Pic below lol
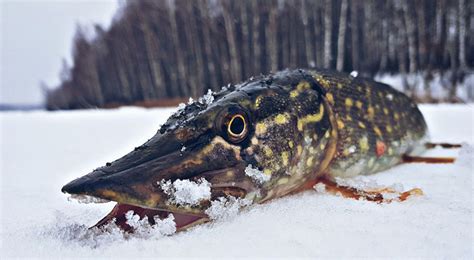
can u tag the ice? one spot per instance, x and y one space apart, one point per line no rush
226 207
186 192
41 151
256 174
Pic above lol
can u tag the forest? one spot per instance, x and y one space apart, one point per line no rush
158 53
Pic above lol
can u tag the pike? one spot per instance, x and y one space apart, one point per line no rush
263 139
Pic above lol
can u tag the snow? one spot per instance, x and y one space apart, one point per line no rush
208 98
320 187
226 208
143 229
41 151
186 192
256 174
438 84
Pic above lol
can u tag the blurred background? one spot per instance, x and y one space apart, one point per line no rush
88 54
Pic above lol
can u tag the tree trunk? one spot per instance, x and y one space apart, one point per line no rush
411 36
327 33
341 36
462 33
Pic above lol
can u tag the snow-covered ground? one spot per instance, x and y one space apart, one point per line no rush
41 151
438 86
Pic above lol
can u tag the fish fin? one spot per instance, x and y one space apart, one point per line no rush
418 159
380 195
443 145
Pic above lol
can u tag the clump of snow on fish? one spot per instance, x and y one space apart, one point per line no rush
256 174
354 73
186 192
320 187
208 98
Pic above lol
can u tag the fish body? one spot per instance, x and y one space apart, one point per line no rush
259 140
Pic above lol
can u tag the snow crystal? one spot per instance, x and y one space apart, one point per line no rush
132 219
320 187
143 229
354 73
180 111
183 148
226 208
225 88
256 174
190 101
389 97
86 199
165 226
181 106
208 98
186 192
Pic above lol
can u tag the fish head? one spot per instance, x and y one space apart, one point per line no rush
262 139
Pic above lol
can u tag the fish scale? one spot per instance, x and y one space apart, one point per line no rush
398 123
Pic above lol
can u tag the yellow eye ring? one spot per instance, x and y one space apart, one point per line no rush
237 127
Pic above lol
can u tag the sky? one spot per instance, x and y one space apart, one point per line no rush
34 38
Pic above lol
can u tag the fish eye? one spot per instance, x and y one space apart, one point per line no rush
237 128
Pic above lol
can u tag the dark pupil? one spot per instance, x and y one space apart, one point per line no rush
237 126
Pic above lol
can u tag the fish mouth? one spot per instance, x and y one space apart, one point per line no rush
183 217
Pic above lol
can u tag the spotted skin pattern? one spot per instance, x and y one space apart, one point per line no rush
376 124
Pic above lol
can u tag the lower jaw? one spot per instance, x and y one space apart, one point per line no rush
183 221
